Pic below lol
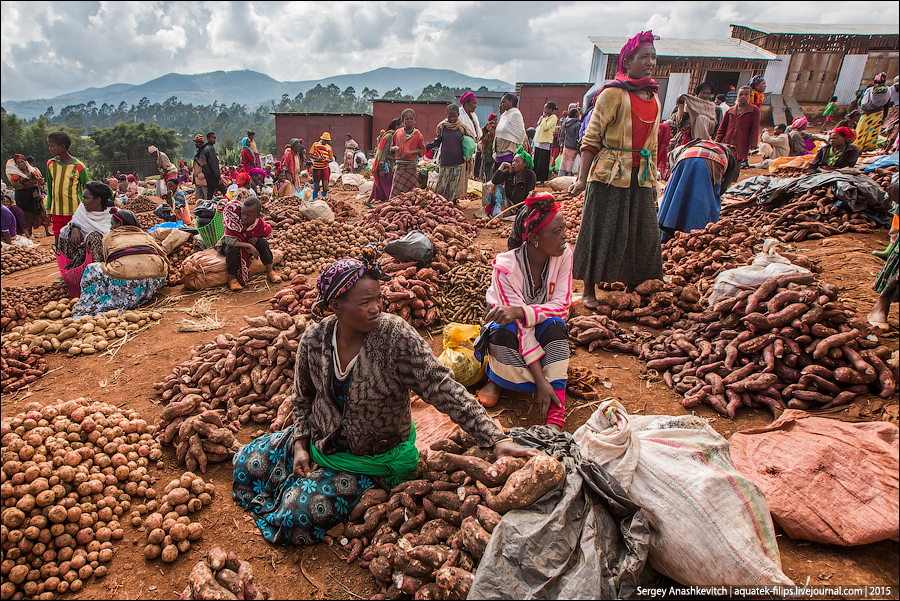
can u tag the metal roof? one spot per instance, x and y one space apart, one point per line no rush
822 29
727 48
550 83
297 113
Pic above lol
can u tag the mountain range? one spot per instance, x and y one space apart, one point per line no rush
250 87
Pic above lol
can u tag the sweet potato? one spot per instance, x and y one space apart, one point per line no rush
380 567
490 474
455 581
885 375
836 341
488 518
540 475
230 581
428 592
432 555
204 586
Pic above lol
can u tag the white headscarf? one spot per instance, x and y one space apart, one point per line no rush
92 221
13 169
471 123
511 126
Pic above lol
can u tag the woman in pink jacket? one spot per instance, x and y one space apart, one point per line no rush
527 343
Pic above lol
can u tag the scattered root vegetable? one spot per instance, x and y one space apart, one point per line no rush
170 529
34 297
426 537
653 303
18 258
20 366
453 246
222 576
698 256
12 315
417 209
248 376
70 474
599 331
788 343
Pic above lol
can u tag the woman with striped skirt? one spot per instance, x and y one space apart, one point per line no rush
527 344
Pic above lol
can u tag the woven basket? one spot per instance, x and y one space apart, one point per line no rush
72 277
213 231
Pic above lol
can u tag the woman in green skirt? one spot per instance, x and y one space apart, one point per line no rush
619 237
351 421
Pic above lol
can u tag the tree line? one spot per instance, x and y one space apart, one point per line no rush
107 136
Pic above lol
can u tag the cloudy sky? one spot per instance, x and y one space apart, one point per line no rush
50 48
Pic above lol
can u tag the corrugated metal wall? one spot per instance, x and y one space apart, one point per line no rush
776 72
678 85
598 66
850 77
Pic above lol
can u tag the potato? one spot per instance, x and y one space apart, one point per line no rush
169 554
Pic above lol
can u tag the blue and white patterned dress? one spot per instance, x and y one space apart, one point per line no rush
101 293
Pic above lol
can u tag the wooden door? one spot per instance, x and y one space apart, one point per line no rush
886 61
812 76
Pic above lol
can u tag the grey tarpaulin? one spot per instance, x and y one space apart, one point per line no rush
584 540
857 190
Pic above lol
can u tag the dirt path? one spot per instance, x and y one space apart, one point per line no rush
319 572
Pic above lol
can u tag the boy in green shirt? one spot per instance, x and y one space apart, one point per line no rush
66 179
828 111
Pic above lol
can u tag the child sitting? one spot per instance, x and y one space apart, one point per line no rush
245 240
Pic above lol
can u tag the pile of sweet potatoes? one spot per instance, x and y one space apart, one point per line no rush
426 537
811 216
411 293
222 576
788 343
198 439
653 303
701 254
417 209
453 246
14 314
21 366
248 376
599 331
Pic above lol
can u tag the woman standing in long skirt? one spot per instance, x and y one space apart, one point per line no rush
619 237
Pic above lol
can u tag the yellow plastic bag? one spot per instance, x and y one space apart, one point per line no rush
467 370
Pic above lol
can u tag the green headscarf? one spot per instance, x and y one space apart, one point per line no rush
529 162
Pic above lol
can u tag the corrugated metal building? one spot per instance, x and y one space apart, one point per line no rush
682 64
821 61
534 95
310 126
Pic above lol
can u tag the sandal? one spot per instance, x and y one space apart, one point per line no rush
488 400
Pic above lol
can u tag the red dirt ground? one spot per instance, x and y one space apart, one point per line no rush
320 572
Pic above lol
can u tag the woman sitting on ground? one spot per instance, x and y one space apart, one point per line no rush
693 197
134 267
529 299
91 221
518 180
838 153
351 420
244 240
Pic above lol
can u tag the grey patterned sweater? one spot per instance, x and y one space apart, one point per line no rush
393 360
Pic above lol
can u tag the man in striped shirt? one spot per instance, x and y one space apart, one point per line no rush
66 178
321 155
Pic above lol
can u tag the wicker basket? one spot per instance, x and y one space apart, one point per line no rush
72 277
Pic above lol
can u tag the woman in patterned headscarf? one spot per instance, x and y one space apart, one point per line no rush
526 343
619 237
350 428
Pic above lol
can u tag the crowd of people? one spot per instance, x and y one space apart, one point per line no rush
356 364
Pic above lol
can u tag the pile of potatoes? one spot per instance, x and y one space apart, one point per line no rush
34 297
176 259
223 576
148 220
21 366
572 210
250 375
311 245
427 537
170 530
18 258
141 204
57 331
12 315
71 471
788 343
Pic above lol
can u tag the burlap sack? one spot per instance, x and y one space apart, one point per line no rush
134 267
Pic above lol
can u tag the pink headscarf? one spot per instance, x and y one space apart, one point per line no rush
466 97
645 38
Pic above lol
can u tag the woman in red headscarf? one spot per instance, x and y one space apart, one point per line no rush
526 344
838 153
619 237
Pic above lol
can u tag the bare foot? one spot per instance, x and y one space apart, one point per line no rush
235 285
274 278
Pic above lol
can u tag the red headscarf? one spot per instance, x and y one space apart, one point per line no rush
241 178
846 133
534 217
645 38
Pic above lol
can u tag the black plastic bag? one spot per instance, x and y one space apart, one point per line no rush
414 246
584 540
164 212
205 209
